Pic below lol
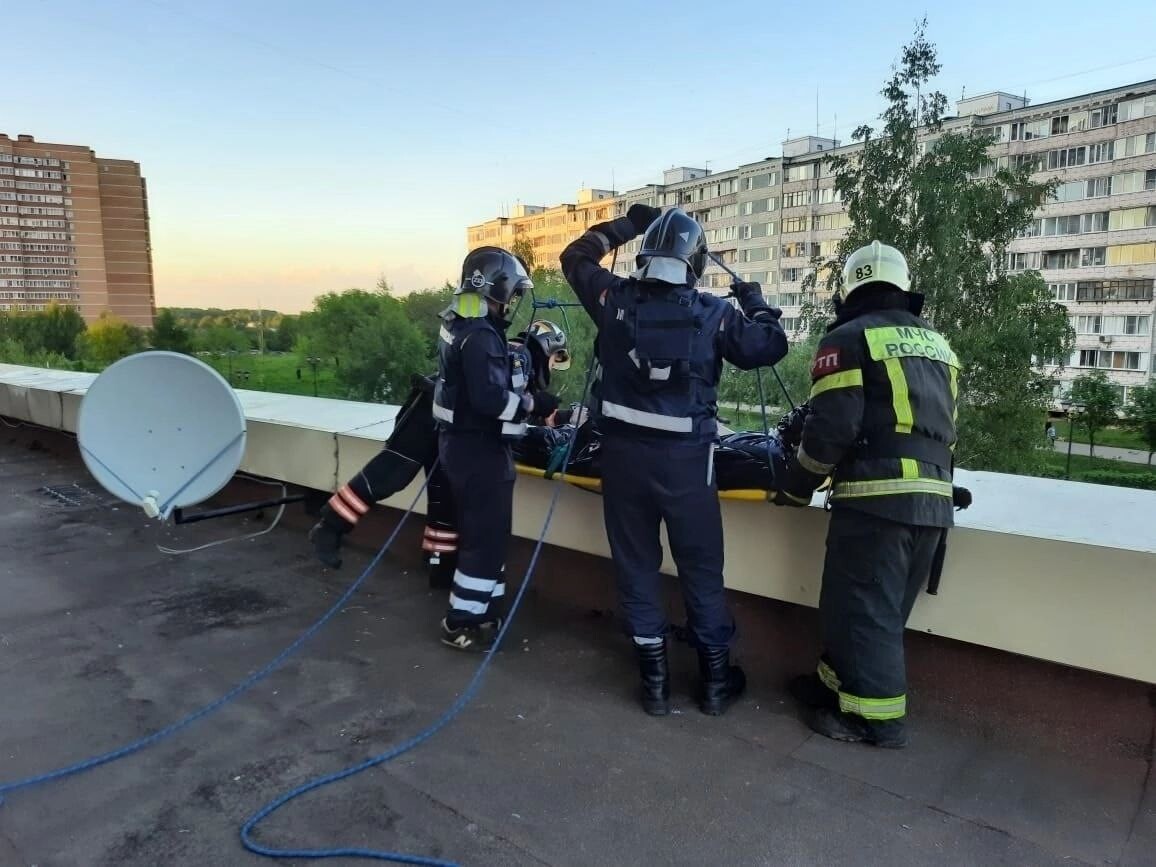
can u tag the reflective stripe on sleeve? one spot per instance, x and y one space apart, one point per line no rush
846 379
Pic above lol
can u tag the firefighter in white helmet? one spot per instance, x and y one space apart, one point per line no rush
882 424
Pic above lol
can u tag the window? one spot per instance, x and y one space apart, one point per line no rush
1103 116
793 275
1054 259
1115 290
828 195
1032 162
1089 324
1098 187
802 173
1133 218
1129 182
755 254
1063 291
1150 179
1101 153
797 249
1135 145
1111 360
1132 254
794 224
1028 130
796 199
1091 256
1097 222
1067 157
1073 191
789 299
1133 109
1060 124
827 222
1023 261
1135 324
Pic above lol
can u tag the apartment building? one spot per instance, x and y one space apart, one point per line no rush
549 230
74 230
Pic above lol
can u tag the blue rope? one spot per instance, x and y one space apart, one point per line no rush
244 686
441 722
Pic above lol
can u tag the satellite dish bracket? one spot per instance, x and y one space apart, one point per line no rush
180 516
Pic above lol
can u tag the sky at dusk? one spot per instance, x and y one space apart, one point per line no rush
293 148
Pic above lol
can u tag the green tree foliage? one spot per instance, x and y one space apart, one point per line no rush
168 333
371 341
524 250
283 334
220 339
937 196
109 339
1140 415
424 310
1100 400
49 333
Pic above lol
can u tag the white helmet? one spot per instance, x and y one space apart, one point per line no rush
875 263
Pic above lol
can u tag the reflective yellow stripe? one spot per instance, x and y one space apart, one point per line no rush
469 305
873 708
828 676
846 379
888 487
811 465
900 399
954 372
910 468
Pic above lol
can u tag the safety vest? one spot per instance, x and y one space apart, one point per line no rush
659 367
451 405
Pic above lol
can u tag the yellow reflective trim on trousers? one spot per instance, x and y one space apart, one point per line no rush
828 676
889 487
873 708
910 468
900 399
846 379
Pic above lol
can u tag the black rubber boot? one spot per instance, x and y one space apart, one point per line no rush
810 691
326 537
655 678
722 682
889 734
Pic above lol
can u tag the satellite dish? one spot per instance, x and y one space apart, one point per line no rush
162 431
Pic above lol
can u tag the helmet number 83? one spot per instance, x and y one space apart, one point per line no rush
862 273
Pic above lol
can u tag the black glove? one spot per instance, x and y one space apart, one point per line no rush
790 426
752 302
641 216
544 404
960 497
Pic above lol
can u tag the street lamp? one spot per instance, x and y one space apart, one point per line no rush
314 362
1072 408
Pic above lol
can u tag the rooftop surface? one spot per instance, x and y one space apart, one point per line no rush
103 639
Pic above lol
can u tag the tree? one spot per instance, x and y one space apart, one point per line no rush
168 333
937 196
523 248
109 339
221 339
59 329
1140 415
375 346
1100 400
284 334
424 309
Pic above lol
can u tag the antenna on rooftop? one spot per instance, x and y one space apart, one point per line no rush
164 431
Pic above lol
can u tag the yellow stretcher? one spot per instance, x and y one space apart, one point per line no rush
588 483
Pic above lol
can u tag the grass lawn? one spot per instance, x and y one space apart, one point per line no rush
276 373
1081 463
1116 437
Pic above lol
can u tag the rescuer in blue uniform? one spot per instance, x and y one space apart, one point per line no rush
413 446
661 346
882 422
482 400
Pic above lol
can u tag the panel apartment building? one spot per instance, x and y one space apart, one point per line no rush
1095 244
74 230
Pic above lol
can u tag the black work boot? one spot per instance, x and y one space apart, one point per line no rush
655 677
839 726
722 682
810 691
326 537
